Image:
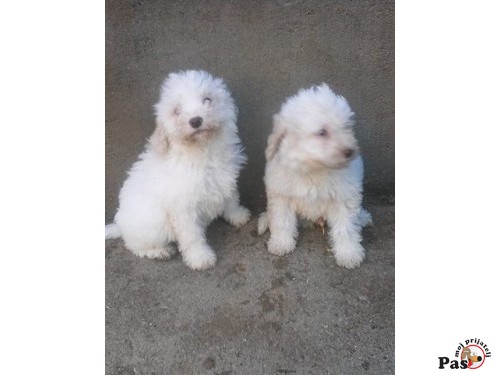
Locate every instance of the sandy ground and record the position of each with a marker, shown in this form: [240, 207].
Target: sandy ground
[254, 313]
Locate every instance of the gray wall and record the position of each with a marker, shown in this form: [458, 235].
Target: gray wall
[265, 51]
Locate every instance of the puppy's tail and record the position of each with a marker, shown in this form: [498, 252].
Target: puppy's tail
[262, 223]
[112, 231]
[365, 218]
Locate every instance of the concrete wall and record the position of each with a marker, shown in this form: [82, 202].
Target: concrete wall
[265, 51]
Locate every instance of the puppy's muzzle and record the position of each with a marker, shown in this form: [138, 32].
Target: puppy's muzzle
[196, 122]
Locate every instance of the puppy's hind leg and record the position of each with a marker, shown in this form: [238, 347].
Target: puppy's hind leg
[262, 223]
[345, 236]
[165, 251]
[151, 250]
[282, 225]
[234, 213]
[146, 235]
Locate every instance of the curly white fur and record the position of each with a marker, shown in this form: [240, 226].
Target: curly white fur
[314, 170]
[186, 177]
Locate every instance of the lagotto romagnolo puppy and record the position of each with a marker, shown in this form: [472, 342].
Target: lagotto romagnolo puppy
[186, 177]
[314, 170]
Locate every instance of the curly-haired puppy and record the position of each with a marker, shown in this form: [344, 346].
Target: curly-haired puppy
[186, 177]
[314, 170]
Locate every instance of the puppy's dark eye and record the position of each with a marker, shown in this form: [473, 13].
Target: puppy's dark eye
[177, 111]
[322, 133]
[207, 100]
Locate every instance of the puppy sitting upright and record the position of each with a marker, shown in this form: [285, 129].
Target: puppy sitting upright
[187, 175]
[313, 169]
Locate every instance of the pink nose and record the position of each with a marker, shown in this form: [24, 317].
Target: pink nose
[348, 153]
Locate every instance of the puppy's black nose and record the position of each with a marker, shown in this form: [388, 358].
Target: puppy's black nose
[479, 358]
[348, 152]
[196, 122]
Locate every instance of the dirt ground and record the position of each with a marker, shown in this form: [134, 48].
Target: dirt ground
[254, 313]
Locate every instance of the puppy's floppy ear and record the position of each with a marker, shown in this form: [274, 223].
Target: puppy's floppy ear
[277, 135]
[158, 140]
[465, 353]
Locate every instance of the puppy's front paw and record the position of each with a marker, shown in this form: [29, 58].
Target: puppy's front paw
[280, 245]
[200, 258]
[349, 256]
[239, 217]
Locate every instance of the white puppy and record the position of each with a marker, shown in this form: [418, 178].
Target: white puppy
[186, 177]
[313, 169]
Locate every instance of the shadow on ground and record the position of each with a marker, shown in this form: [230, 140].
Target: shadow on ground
[254, 313]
